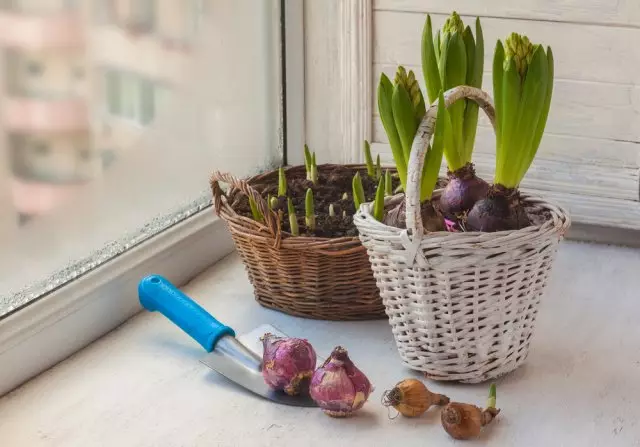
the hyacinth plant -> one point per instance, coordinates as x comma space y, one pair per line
450, 58
522, 87
402, 108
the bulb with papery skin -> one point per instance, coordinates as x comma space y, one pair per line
338, 386
287, 362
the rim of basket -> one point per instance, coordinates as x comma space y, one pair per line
551, 206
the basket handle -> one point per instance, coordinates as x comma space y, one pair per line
271, 219
421, 145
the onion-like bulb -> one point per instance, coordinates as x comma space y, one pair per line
338, 386
287, 362
412, 398
465, 421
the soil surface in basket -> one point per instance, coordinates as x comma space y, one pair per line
329, 189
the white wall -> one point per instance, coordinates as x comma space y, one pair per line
588, 159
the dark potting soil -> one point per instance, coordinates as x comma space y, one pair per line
329, 189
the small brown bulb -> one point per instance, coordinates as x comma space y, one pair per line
412, 398
465, 421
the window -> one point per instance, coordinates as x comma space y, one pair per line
84, 154
40, 148
34, 68
216, 108
78, 72
143, 14
195, 16
130, 96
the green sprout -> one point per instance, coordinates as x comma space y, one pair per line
378, 168
255, 212
273, 202
378, 203
307, 161
282, 183
358, 191
293, 219
332, 211
491, 403
314, 169
309, 211
388, 185
371, 169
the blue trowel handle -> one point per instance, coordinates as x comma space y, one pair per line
158, 294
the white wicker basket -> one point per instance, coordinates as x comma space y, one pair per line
462, 306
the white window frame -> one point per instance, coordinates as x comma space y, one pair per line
64, 321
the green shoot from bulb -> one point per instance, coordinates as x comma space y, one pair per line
388, 185
255, 212
358, 191
378, 168
293, 219
378, 203
269, 201
309, 211
314, 169
332, 211
368, 160
307, 161
273, 202
491, 402
282, 183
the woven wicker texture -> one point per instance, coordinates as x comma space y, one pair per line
310, 277
462, 306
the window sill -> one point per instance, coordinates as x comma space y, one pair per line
143, 384
73, 316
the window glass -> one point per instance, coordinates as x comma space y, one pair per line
89, 172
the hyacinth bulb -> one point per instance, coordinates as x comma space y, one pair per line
287, 362
338, 386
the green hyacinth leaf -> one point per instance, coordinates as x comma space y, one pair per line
378, 203
478, 67
547, 103
470, 48
404, 118
430, 58
509, 141
534, 95
385, 108
433, 159
498, 71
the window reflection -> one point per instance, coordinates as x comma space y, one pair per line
80, 80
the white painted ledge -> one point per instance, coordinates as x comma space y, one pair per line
142, 385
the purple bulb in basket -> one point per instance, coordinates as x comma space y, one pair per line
287, 362
338, 386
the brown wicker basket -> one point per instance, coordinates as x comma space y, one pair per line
312, 277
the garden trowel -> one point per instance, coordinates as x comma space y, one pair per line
238, 358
